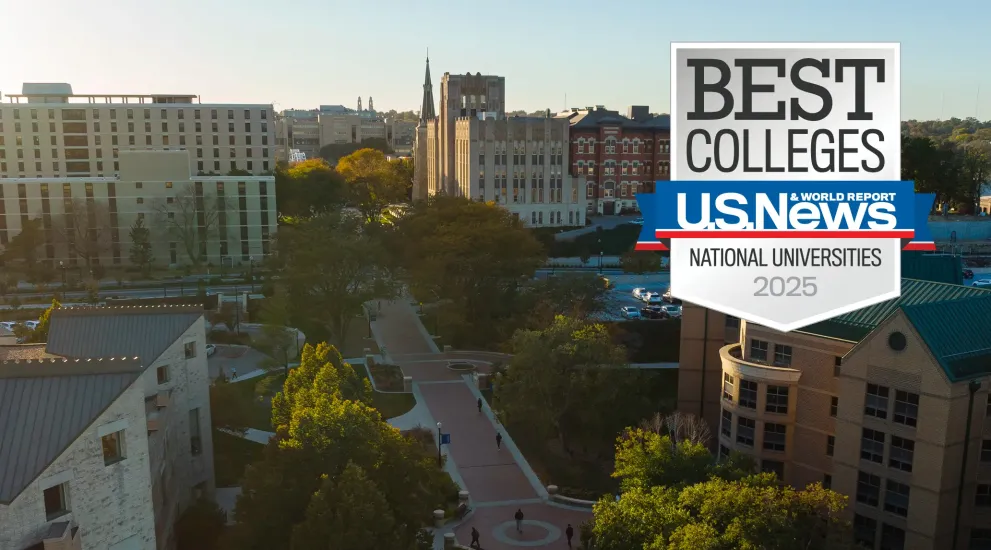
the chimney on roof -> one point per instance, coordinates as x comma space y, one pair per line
638, 113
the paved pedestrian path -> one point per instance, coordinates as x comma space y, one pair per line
499, 481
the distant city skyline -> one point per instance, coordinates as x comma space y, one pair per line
555, 54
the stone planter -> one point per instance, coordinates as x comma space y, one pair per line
448, 348
408, 384
438, 518
482, 380
450, 541
463, 496
552, 489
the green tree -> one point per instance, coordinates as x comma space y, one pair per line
403, 171
568, 382
975, 160
640, 261
580, 295
333, 152
277, 339
322, 373
92, 291
40, 333
228, 314
24, 245
476, 256
372, 182
348, 512
332, 265
308, 188
200, 526
141, 252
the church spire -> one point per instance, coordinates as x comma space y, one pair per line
427, 109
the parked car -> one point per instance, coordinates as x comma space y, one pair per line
638, 293
652, 297
653, 312
9, 325
968, 274
638, 221
983, 283
672, 310
630, 312
667, 297
210, 349
31, 324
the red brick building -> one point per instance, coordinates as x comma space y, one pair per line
619, 156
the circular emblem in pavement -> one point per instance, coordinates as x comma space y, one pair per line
506, 533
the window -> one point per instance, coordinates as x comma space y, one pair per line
727, 387
113, 447
830, 444
774, 437
190, 350
758, 350
56, 499
745, 431
864, 530
195, 440
986, 450
773, 467
834, 404
980, 539
892, 538
163, 374
906, 408
733, 324
723, 452
896, 498
726, 426
872, 446
827, 481
141, 200
782, 355
748, 394
982, 497
868, 488
876, 404
902, 452
777, 399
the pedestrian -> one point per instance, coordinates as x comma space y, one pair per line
479, 404
474, 539
519, 519
233, 373
569, 532
498, 441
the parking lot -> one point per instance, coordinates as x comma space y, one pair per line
621, 291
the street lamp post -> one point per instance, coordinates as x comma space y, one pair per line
600, 262
440, 459
251, 272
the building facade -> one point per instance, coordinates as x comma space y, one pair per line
618, 156
874, 404
87, 220
519, 163
129, 447
307, 131
47, 131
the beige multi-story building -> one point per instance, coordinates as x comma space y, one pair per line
86, 221
309, 130
874, 404
47, 131
520, 163
106, 430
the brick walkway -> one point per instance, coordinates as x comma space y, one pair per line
498, 485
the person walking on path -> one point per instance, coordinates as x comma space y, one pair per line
519, 519
498, 441
479, 404
569, 532
233, 373
474, 539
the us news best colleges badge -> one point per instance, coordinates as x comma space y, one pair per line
785, 206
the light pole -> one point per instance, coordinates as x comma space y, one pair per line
62, 267
973, 386
600, 256
440, 459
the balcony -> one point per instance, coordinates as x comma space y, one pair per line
758, 371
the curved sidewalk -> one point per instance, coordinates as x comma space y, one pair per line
499, 481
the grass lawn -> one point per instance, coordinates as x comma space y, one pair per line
230, 455
258, 407
390, 405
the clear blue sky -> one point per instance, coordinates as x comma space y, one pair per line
301, 53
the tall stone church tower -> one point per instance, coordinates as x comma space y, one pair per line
421, 162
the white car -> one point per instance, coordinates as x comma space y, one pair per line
31, 324
983, 283
9, 325
638, 293
210, 349
630, 312
652, 298
672, 310
638, 221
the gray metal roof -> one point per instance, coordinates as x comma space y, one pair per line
45, 405
135, 331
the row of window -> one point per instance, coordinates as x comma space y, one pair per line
627, 189
74, 130
776, 396
628, 146
85, 168
775, 435
609, 168
76, 114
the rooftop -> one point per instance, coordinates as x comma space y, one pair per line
593, 117
19, 352
137, 331
46, 404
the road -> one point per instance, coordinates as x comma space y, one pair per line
128, 293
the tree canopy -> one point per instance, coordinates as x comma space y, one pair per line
950, 158
335, 475
308, 188
475, 255
372, 182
